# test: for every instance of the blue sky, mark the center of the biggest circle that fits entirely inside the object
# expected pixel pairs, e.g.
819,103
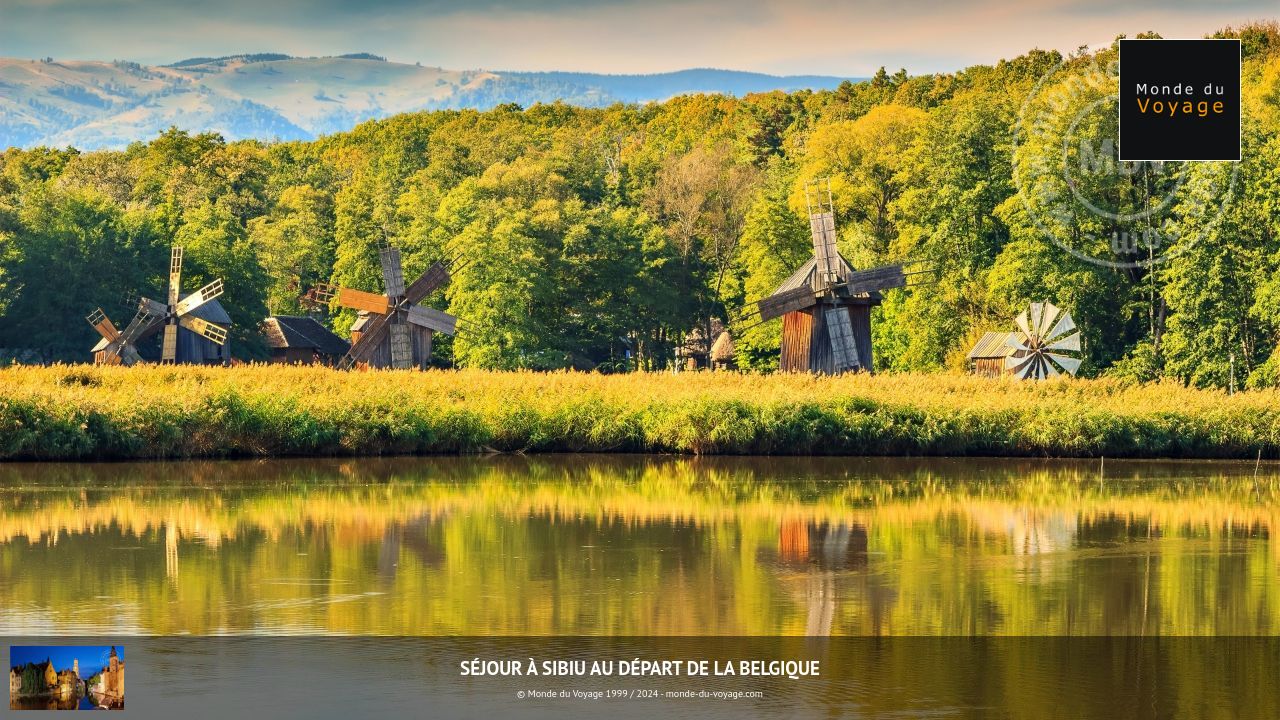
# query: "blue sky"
92,657
618,36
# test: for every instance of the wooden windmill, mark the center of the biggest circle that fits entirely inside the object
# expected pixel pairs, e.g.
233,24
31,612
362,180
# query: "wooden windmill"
394,330
825,305
198,313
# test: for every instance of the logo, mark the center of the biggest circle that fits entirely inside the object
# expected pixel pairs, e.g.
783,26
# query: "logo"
1080,195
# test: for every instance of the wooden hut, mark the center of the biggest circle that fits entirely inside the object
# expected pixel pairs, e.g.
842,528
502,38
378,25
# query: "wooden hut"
297,340
989,353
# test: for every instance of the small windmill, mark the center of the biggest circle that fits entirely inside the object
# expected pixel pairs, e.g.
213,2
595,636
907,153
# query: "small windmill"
395,331
151,315
825,305
1040,350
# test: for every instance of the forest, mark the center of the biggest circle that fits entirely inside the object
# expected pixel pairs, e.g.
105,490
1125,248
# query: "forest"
600,238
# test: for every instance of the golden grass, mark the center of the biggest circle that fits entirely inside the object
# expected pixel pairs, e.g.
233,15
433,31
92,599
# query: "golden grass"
111,412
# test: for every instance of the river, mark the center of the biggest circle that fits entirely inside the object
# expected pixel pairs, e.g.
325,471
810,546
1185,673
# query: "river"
604,545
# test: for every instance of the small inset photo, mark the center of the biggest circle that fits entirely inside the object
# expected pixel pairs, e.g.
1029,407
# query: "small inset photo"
66,677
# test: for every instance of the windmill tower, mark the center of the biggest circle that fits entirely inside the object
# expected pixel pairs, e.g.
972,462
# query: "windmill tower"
393,330
825,305
195,326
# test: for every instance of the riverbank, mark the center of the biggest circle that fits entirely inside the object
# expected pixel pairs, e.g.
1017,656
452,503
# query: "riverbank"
85,412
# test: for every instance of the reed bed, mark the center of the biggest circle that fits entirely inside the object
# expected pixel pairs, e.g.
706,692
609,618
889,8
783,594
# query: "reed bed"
72,412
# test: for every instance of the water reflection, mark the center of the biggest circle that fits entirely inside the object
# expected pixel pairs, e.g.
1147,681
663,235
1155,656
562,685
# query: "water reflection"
639,546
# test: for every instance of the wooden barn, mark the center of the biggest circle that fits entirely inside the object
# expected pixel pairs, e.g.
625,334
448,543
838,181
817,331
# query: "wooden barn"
298,340
191,347
990,352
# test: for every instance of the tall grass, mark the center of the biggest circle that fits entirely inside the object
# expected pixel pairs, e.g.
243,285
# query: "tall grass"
81,412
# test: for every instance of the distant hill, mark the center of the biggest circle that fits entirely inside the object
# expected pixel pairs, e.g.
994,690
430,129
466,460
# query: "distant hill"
94,104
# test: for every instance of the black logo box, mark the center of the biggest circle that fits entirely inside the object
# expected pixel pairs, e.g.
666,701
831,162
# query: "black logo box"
1185,68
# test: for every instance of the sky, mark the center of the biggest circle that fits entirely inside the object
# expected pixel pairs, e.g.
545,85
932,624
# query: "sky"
92,657
831,37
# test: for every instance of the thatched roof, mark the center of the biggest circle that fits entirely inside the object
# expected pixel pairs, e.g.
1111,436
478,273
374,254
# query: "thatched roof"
722,348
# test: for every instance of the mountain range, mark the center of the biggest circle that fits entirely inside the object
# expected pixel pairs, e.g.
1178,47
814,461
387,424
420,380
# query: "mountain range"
95,104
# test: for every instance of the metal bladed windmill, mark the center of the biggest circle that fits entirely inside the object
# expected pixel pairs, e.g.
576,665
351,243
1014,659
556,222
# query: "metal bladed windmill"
1040,349
152,315
825,306
395,330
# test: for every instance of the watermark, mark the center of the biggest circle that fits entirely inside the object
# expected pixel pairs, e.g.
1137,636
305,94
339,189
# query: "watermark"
1082,197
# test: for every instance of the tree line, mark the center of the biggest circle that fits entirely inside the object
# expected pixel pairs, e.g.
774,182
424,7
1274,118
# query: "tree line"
603,237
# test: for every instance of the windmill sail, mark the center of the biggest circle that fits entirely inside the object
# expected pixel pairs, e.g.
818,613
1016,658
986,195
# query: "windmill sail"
822,226
392,272
401,346
432,319
1038,351
840,332
175,274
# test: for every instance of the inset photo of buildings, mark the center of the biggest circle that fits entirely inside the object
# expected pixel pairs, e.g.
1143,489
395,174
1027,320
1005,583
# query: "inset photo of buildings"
66,677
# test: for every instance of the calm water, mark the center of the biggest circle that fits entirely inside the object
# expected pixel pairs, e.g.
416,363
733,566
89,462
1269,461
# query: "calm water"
639,546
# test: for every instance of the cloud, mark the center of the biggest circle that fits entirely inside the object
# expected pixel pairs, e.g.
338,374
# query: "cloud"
802,36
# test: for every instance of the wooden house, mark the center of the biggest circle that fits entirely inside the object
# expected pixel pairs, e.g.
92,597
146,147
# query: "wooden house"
297,340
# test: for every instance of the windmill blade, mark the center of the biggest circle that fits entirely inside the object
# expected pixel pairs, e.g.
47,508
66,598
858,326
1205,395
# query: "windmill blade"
1069,364
432,319
169,348
198,298
175,274
401,346
1071,342
392,272
1022,323
1047,369
361,300
204,328
780,304
822,227
154,307
143,321
885,277
374,332
100,322
1046,320
436,276
1017,343
1037,310
1064,325
1017,363
840,334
